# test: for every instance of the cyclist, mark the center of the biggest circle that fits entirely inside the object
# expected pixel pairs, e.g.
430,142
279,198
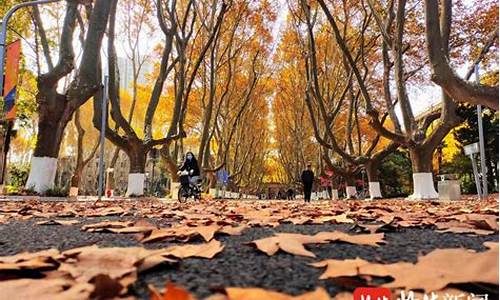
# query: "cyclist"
190,165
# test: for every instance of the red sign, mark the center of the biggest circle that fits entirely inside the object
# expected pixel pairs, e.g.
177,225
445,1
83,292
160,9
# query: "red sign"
367,293
13,55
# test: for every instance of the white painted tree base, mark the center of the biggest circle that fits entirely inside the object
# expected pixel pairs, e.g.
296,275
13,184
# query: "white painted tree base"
135,184
350,192
423,187
335,194
42,174
374,189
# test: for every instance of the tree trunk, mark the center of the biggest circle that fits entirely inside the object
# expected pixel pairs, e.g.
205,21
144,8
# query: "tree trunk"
76,178
421,159
44,162
423,183
373,179
350,188
136,177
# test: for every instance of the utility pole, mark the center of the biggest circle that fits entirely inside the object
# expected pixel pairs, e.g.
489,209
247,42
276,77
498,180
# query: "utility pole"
481,142
104,118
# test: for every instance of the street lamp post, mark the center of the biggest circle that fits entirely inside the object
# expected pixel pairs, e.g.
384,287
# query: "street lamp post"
3,31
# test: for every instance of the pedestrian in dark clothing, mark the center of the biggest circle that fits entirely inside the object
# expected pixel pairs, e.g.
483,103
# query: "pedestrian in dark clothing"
307,178
191,166
289,194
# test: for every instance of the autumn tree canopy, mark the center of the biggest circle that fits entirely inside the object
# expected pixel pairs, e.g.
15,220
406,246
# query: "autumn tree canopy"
255,87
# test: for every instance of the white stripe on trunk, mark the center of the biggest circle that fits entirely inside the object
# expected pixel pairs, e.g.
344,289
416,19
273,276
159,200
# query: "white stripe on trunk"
423,187
374,188
135,184
42,174
350,192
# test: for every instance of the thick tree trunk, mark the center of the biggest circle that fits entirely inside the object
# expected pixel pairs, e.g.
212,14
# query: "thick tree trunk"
44,161
373,179
136,177
423,183
350,188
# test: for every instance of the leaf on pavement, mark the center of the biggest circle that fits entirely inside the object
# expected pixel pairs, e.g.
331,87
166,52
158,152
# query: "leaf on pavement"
432,272
42,260
371,239
172,292
45,289
338,268
261,294
456,227
119,264
293,243
58,222
206,250
106,224
186,233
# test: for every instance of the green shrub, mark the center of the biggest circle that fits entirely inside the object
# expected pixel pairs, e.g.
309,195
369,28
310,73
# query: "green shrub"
18,175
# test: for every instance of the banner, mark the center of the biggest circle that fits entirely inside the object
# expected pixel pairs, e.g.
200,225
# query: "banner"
13,55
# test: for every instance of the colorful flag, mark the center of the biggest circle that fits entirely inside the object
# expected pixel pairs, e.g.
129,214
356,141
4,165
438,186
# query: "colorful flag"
13,55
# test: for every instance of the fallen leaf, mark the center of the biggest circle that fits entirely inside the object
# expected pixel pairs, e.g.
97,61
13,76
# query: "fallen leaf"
372,239
106,224
261,294
58,222
185,233
172,292
337,268
293,243
432,272
207,250
44,289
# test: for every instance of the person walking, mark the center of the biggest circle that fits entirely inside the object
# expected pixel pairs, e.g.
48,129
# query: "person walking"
307,178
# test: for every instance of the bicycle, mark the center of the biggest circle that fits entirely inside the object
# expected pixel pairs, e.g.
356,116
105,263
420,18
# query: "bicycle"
188,189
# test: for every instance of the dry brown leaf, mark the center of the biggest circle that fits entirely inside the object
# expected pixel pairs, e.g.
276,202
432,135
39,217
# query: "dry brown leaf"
131,229
432,272
457,229
207,250
106,211
172,292
185,233
26,256
233,230
371,239
293,243
339,219
36,263
261,294
106,224
444,266
44,289
338,268
120,264
58,222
